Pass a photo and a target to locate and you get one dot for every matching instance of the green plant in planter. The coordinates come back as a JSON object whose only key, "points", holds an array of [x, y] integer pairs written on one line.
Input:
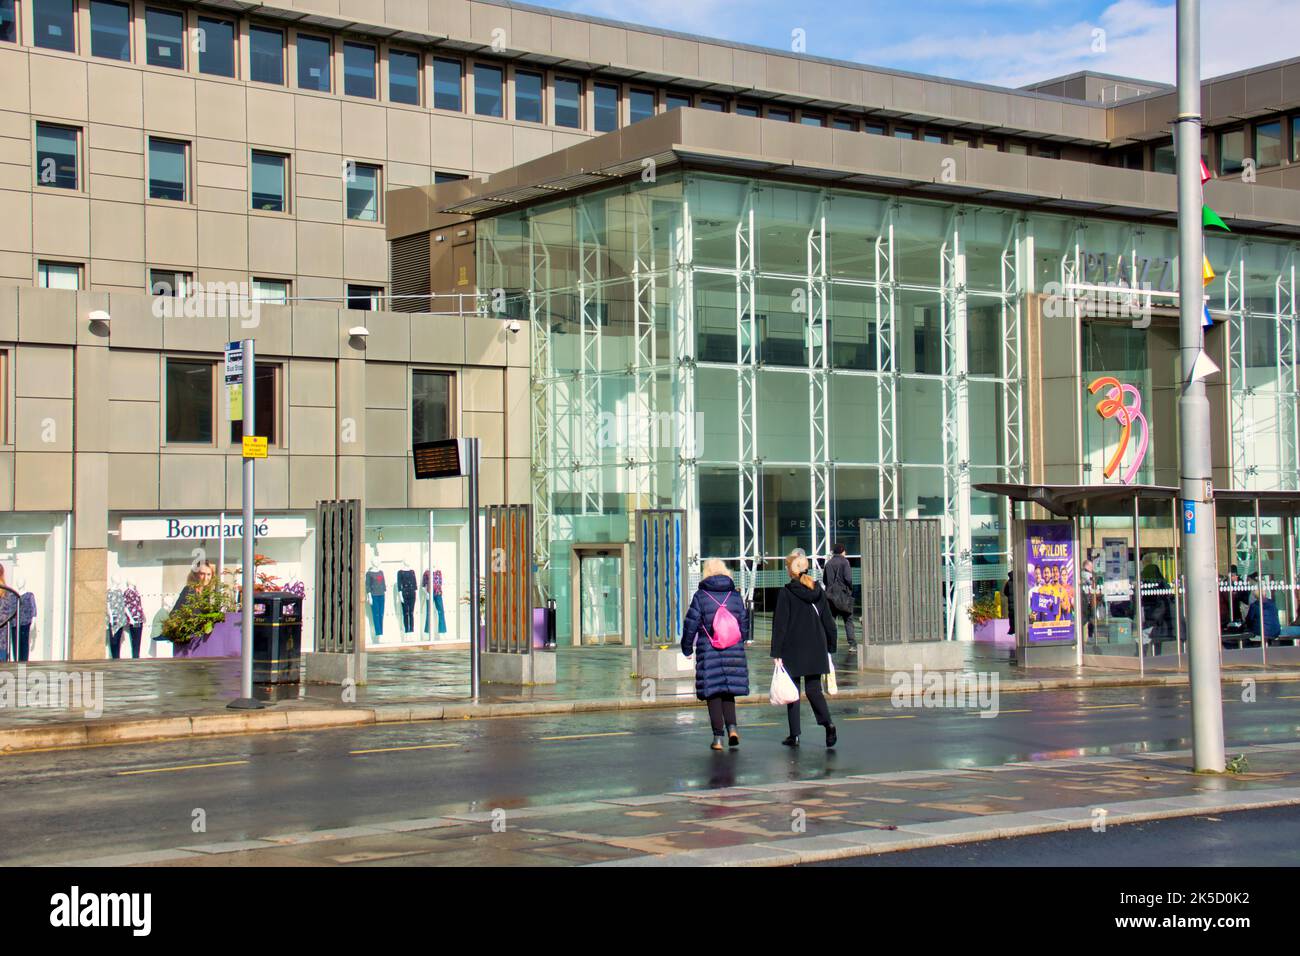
{"points": [[983, 610], [202, 610]]}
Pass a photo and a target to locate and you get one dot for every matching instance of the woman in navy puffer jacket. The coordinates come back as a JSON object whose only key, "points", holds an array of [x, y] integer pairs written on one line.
{"points": [[720, 675]]}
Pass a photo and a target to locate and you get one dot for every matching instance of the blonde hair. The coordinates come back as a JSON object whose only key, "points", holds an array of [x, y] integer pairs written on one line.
{"points": [[792, 560], [714, 566]]}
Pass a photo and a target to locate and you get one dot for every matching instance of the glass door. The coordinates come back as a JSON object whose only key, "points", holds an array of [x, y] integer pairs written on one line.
{"points": [[601, 585]]}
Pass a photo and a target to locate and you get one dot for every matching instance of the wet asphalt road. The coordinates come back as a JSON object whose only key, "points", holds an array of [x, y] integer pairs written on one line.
{"points": [[84, 803]]}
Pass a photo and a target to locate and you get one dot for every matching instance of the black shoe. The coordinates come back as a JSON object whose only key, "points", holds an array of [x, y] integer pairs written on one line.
{"points": [[831, 736], [791, 741], [717, 743], [733, 737]]}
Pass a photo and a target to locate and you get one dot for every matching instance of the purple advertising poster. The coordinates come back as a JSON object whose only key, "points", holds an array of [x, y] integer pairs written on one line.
{"points": [[1049, 584]]}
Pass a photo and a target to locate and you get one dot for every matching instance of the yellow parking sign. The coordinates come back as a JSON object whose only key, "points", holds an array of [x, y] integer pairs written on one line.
{"points": [[255, 446]]}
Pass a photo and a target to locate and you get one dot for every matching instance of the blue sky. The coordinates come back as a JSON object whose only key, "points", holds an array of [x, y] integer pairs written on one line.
{"points": [[1006, 42]]}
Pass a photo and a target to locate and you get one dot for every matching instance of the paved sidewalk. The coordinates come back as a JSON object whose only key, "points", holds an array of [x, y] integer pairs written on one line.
{"points": [[163, 699], [784, 823]]}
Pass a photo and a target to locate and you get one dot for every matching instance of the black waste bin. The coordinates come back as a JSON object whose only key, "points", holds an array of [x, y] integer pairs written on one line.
{"points": [[277, 637]]}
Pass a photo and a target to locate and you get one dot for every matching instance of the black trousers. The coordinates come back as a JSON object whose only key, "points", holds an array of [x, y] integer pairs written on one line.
{"points": [[812, 688], [115, 640], [722, 713], [408, 611]]}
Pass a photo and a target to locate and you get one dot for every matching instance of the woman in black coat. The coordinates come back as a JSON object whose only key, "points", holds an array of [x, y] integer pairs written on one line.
{"points": [[803, 638], [720, 675]]}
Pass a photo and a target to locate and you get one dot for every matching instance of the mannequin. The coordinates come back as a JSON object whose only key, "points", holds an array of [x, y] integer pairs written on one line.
{"points": [[26, 614], [432, 584], [406, 592], [376, 588], [115, 616], [134, 616]]}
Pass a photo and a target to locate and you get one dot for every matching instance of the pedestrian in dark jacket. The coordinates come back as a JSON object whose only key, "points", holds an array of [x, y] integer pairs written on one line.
{"points": [[721, 675], [803, 638], [839, 590]]}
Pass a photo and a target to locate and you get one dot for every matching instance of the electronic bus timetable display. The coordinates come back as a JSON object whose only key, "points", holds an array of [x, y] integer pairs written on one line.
{"points": [[439, 459]]}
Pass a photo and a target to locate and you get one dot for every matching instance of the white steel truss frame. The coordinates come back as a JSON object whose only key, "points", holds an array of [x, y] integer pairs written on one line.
{"points": [[1017, 256], [588, 421], [751, 551], [642, 464], [819, 471], [682, 293], [1284, 295], [1234, 304], [956, 428], [886, 365], [541, 386]]}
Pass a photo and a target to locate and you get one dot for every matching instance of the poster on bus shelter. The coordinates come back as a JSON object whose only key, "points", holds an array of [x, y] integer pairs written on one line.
{"points": [[1050, 585]]}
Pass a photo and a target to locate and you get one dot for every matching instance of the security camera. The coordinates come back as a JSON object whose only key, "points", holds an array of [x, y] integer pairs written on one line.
{"points": [[99, 315], [514, 325], [360, 331]]}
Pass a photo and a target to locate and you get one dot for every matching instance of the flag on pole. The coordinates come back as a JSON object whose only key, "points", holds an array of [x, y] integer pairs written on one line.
{"points": [[1205, 173], [1211, 218], [1206, 320], [1207, 271]]}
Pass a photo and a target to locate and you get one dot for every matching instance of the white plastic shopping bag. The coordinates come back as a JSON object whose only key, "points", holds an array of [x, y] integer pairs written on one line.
{"points": [[832, 687], [783, 690]]}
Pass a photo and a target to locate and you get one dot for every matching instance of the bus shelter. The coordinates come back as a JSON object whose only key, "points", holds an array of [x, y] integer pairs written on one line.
{"points": [[1097, 580]]}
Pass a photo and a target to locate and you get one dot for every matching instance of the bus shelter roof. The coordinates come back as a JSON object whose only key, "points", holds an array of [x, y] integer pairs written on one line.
{"points": [[1073, 501]]}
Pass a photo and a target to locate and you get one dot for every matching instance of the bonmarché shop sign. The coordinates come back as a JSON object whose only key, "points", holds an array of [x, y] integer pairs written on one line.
{"points": [[198, 527]]}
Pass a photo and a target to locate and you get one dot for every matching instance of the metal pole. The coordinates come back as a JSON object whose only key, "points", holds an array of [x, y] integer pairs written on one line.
{"points": [[221, 548], [1259, 585], [1177, 585], [471, 448], [1194, 410], [428, 594], [246, 700], [1137, 591]]}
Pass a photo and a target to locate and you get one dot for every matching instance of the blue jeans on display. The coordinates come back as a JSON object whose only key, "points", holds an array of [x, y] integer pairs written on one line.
{"points": [[442, 621], [377, 613]]}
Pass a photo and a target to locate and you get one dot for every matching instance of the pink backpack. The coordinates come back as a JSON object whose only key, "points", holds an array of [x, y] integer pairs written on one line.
{"points": [[726, 629]]}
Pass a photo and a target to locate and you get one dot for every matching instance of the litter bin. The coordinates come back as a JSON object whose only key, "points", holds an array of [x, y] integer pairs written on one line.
{"points": [[277, 637]]}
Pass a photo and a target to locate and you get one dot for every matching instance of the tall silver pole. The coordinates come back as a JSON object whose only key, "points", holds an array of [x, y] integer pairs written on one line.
{"points": [[246, 700], [1194, 411], [471, 449]]}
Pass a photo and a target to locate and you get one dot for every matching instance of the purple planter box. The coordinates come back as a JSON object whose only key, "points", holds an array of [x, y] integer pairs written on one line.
{"points": [[224, 641], [994, 632]]}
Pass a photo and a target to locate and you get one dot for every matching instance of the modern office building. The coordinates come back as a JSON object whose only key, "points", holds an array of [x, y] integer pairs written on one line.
{"points": [[777, 291]]}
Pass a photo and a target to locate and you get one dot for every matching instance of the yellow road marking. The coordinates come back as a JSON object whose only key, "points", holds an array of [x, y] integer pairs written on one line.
{"points": [[190, 766], [890, 717], [612, 733], [385, 750], [1288, 697], [1105, 706], [1001, 712]]}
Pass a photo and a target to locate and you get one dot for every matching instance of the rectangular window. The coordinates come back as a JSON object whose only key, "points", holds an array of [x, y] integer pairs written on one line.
{"points": [[363, 193], [56, 156], [874, 129], [489, 96], [932, 137], [568, 102], [359, 61], [404, 77], [58, 275], [314, 57], [446, 84], [190, 403], [265, 55], [902, 132], [1049, 152], [715, 106], [54, 24], [780, 114], [1232, 151], [528, 97], [8, 21], [1268, 144], [440, 178], [217, 50], [271, 291], [430, 406], [164, 32], [640, 105], [1295, 138], [167, 168], [1163, 160], [812, 119], [676, 101], [170, 283], [266, 402], [1018, 149], [110, 30], [605, 107], [962, 141], [270, 177], [366, 298], [991, 145], [839, 122], [746, 109]]}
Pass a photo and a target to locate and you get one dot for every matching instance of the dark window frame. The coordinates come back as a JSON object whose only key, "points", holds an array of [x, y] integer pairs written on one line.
{"points": [[254, 63], [9, 24], [275, 371], [175, 421], [555, 97], [378, 193], [234, 46], [349, 77], [39, 7], [185, 167], [597, 108], [460, 83], [109, 40], [76, 132], [284, 181], [451, 383], [401, 56], [312, 41], [151, 42], [539, 115], [500, 94]]}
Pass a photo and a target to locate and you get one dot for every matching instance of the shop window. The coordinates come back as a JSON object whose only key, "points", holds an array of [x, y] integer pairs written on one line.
{"points": [[266, 396], [57, 149], [58, 275], [270, 181], [271, 291], [746, 109], [366, 298], [110, 30], [190, 401], [404, 77], [54, 24], [8, 21], [266, 55], [168, 162], [431, 396], [489, 90], [676, 101], [528, 97], [363, 192], [447, 81], [169, 282], [440, 178], [640, 105], [164, 32], [216, 47], [1232, 151], [568, 102], [1268, 144], [359, 62], [314, 56], [605, 108]]}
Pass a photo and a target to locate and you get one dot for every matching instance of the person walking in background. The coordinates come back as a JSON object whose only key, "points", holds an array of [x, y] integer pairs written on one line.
{"points": [[839, 590], [803, 638], [1009, 599], [714, 631]]}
